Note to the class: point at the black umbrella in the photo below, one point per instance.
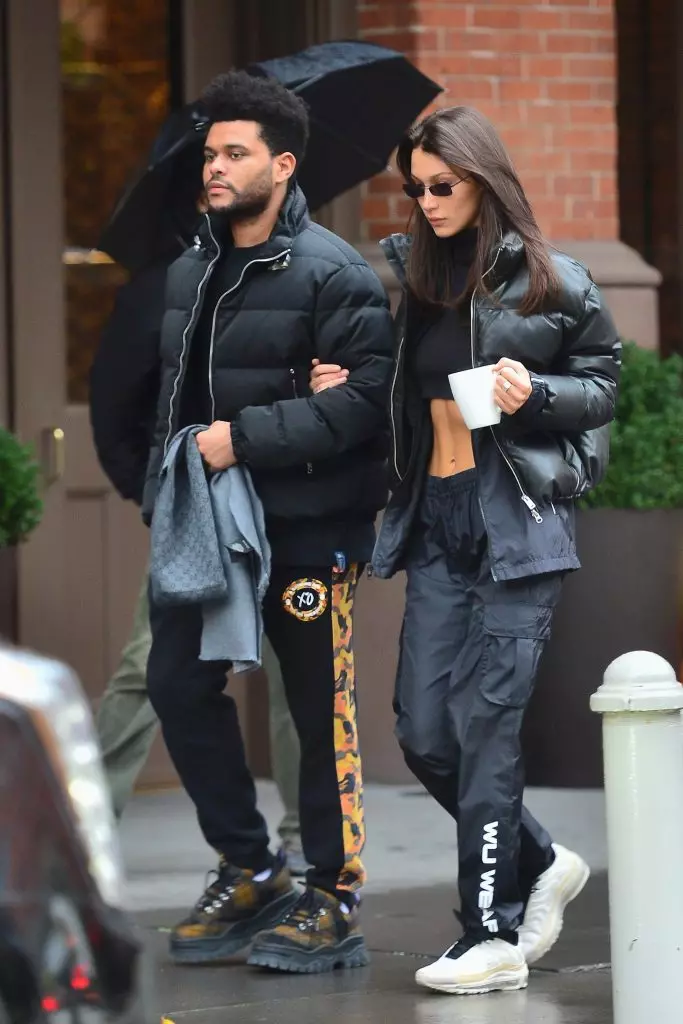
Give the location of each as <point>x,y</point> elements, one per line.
<point>361,99</point>
<point>157,212</point>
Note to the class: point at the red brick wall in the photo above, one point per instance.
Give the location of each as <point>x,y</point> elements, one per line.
<point>545,75</point>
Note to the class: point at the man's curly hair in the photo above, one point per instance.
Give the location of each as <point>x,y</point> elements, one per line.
<point>283,116</point>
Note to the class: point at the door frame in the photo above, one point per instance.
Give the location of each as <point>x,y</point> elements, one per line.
<point>36,303</point>
<point>207,28</point>
<point>5,365</point>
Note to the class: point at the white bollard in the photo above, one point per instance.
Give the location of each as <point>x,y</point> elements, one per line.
<point>640,701</point>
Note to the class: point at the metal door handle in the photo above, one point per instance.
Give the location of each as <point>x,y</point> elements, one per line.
<point>53,454</point>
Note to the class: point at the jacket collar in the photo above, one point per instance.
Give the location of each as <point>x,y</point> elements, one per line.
<point>292,220</point>
<point>505,257</point>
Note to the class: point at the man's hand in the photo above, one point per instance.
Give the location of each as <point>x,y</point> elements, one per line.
<point>512,385</point>
<point>326,375</point>
<point>215,446</point>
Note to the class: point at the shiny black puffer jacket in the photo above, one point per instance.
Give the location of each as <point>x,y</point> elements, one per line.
<point>535,463</point>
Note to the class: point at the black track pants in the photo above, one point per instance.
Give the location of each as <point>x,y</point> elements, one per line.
<point>308,616</point>
<point>469,652</point>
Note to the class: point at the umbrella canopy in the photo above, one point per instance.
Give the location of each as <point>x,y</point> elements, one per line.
<point>361,99</point>
<point>157,211</point>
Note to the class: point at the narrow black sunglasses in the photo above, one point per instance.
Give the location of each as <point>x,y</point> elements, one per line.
<point>415,190</point>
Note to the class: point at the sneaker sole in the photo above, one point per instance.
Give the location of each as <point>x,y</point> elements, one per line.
<point>573,885</point>
<point>236,938</point>
<point>501,981</point>
<point>348,954</point>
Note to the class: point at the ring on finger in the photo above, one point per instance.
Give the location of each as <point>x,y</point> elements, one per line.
<point>507,385</point>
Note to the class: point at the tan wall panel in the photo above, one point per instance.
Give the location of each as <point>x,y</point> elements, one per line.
<point>85,591</point>
<point>37,299</point>
<point>379,612</point>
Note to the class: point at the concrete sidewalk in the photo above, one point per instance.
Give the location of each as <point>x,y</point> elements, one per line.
<point>408,920</point>
<point>411,841</point>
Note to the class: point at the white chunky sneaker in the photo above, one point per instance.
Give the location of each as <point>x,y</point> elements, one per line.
<point>473,967</point>
<point>552,891</point>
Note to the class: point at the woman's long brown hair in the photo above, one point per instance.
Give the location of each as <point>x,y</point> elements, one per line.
<point>469,144</point>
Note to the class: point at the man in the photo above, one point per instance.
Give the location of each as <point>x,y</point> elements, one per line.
<point>262,293</point>
<point>124,391</point>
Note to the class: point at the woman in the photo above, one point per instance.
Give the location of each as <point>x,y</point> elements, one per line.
<point>483,521</point>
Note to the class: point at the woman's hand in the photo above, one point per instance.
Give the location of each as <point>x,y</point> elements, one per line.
<point>326,375</point>
<point>512,386</point>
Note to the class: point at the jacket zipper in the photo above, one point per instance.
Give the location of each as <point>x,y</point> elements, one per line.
<point>529,502</point>
<point>252,263</point>
<point>391,405</point>
<point>295,390</point>
<point>185,336</point>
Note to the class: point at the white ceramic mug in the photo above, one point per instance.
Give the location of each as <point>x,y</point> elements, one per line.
<point>473,392</point>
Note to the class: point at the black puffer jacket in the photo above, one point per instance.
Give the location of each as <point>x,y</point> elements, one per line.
<point>318,461</point>
<point>538,461</point>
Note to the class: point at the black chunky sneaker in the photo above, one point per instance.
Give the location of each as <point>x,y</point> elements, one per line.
<point>232,910</point>
<point>318,934</point>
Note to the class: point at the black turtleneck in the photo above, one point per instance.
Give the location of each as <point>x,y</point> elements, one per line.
<point>446,346</point>
<point>195,396</point>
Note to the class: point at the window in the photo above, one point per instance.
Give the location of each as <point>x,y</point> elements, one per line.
<point>116,88</point>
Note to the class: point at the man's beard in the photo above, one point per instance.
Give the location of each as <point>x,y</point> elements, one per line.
<point>248,204</point>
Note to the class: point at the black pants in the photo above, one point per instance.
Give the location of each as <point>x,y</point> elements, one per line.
<point>469,652</point>
<point>308,619</point>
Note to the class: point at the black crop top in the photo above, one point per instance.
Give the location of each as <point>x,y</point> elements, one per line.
<point>445,347</point>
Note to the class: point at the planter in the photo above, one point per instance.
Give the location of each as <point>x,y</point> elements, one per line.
<point>8,594</point>
<point>626,597</point>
